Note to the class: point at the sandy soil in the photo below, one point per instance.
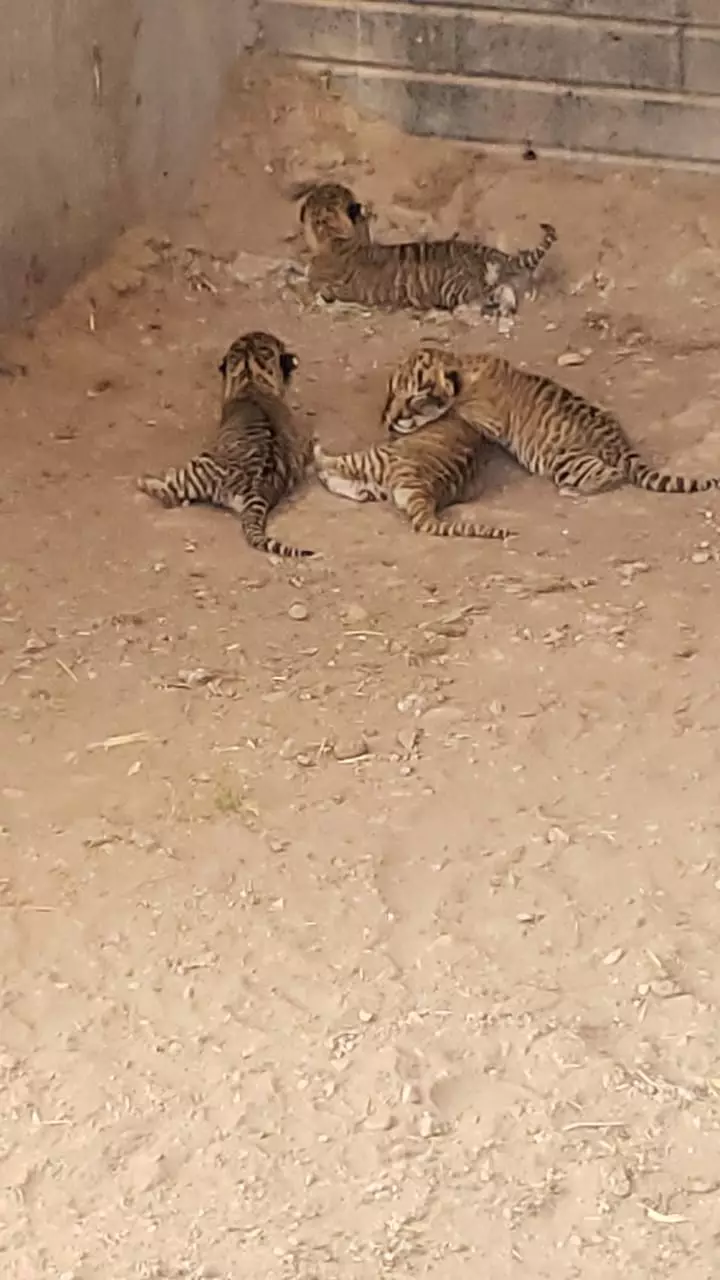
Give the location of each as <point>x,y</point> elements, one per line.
<point>381,940</point>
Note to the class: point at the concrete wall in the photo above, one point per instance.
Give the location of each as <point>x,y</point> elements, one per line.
<point>104,107</point>
<point>630,78</point>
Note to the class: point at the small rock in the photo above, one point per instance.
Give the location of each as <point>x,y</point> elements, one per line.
<point>700,557</point>
<point>354,614</point>
<point>619,1183</point>
<point>351,749</point>
<point>408,739</point>
<point>556,835</point>
<point>614,956</point>
<point>443,715</point>
<point>380,1120</point>
<point>298,612</point>
<point>428,1126</point>
<point>451,629</point>
<point>570,358</point>
<point>411,1094</point>
<point>125,280</point>
<point>628,568</point>
<point>665,988</point>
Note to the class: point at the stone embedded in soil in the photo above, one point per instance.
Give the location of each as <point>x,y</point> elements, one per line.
<point>380,1120</point>
<point>408,739</point>
<point>351,749</point>
<point>354,614</point>
<point>443,715</point>
<point>298,612</point>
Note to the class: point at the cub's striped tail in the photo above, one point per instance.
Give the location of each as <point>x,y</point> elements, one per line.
<point>441,528</point>
<point>424,520</point>
<point>645,477</point>
<point>253,518</point>
<point>529,259</point>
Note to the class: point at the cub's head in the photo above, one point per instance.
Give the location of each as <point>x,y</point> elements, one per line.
<point>421,389</point>
<point>330,213</point>
<point>256,359</point>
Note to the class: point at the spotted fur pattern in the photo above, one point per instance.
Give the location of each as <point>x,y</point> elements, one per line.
<point>549,429</point>
<point>330,212</point>
<point>420,474</point>
<point>426,274</point>
<point>258,456</point>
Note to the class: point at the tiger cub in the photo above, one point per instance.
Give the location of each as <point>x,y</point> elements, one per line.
<point>330,211</point>
<point>258,455</point>
<point>420,475</point>
<point>422,274</point>
<point>549,429</point>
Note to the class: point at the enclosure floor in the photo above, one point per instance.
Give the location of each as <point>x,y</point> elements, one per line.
<point>383,940</point>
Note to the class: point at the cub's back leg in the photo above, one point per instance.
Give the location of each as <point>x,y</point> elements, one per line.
<point>580,474</point>
<point>200,480</point>
<point>348,475</point>
<point>415,502</point>
<point>161,489</point>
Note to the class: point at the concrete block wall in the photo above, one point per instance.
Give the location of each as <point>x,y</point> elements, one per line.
<point>105,106</point>
<point>636,79</point>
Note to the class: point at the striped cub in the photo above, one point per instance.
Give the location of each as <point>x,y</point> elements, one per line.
<point>421,274</point>
<point>420,474</point>
<point>257,456</point>
<point>550,430</point>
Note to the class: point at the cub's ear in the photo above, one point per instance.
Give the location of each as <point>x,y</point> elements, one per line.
<point>303,210</point>
<point>455,381</point>
<point>288,364</point>
<point>222,367</point>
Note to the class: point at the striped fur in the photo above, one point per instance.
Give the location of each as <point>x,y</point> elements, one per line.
<point>257,456</point>
<point>549,429</point>
<point>427,274</point>
<point>347,266</point>
<point>420,475</point>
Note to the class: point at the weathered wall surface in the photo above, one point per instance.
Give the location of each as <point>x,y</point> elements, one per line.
<point>630,78</point>
<point>104,108</point>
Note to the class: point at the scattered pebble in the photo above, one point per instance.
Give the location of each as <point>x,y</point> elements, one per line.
<point>351,749</point>
<point>442,715</point>
<point>428,1126</point>
<point>567,358</point>
<point>380,1119</point>
<point>298,612</point>
<point>354,614</point>
<point>408,739</point>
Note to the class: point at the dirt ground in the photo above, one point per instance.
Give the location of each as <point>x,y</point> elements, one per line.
<point>378,935</point>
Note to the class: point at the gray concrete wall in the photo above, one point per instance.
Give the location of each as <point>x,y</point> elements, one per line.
<point>104,108</point>
<point>630,78</point>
